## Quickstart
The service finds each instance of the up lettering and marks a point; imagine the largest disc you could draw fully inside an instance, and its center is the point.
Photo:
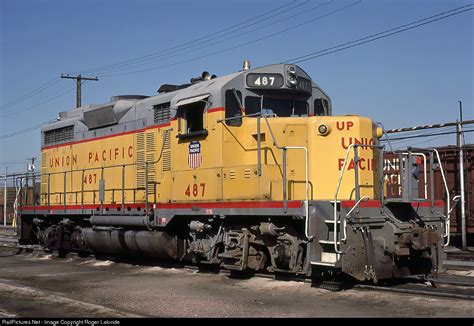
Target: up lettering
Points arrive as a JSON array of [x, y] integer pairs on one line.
[[344, 125]]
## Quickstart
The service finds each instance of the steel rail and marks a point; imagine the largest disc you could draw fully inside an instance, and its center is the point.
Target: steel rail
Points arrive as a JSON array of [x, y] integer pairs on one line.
[[412, 291]]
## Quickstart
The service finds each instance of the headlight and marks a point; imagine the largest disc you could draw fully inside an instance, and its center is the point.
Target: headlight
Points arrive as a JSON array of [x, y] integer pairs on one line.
[[292, 81], [291, 78]]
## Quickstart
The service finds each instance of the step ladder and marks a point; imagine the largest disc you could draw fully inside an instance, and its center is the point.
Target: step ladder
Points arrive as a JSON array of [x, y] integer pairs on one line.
[[329, 257]]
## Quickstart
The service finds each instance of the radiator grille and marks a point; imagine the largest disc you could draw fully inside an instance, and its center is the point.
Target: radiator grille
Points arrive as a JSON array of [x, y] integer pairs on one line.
[[59, 135]]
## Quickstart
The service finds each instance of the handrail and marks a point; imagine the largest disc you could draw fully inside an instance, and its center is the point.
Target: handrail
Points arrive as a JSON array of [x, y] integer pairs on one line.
[[102, 168], [424, 170], [363, 198], [336, 249], [335, 198], [448, 197], [284, 149], [455, 200], [344, 234], [15, 203], [448, 200]]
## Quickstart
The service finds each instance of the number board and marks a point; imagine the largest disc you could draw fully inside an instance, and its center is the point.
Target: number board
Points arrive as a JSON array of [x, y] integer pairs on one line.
[[264, 80]]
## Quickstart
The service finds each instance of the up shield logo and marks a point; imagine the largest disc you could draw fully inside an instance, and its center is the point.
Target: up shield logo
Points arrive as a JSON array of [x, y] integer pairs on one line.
[[194, 157]]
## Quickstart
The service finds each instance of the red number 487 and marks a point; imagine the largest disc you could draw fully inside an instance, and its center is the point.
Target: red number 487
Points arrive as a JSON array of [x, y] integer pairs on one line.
[[195, 191]]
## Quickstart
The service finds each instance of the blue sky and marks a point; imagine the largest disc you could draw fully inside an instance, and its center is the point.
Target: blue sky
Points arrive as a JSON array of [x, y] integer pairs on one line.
[[408, 79]]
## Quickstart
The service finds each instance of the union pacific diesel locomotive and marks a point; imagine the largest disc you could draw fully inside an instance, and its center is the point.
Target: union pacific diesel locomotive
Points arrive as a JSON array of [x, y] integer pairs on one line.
[[248, 172]]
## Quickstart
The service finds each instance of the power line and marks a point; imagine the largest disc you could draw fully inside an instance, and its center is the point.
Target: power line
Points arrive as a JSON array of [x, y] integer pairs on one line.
[[30, 94], [384, 34], [428, 135], [106, 67], [417, 143], [24, 131], [55, 80], [205, 44], [410, 140], [437, 125], [58, 95], [419, 133], [36, 105], [239, 45], [13, 164]]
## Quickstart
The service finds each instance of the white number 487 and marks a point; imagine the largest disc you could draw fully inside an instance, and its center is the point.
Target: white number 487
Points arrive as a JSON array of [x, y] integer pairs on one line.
[[264, 81]]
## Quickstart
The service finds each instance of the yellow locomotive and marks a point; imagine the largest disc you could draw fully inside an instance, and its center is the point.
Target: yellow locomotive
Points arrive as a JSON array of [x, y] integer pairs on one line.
[[248, 171]]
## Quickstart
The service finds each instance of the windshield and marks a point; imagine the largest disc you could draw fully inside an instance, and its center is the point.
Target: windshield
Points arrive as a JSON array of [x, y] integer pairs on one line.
[[278, 107]]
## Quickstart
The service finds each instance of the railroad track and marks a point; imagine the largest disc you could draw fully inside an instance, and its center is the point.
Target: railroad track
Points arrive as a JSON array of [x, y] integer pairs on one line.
[[446, 286], [450, 289]]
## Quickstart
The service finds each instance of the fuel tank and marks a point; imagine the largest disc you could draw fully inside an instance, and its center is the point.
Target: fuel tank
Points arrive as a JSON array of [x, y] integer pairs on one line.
[[132, 242]]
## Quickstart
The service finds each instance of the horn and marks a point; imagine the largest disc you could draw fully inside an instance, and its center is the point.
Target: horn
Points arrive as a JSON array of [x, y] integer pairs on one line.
[[205, 75]]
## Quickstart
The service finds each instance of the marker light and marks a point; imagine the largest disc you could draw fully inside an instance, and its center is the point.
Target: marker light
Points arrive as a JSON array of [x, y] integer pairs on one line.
[[323, 130]]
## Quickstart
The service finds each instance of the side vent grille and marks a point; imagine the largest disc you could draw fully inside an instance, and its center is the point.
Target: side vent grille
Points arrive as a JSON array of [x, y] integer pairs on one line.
[[44, 178], [150, 157], [166, 151], [146, 149], [140, 146], [59, 135], [161, 113]]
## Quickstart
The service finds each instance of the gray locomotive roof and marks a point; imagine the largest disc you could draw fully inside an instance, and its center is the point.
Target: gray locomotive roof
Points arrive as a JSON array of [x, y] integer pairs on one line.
[[138, 109], [212, 87]]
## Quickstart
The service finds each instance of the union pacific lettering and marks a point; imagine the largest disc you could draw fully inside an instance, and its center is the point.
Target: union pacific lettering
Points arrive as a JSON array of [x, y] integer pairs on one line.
[[106, 155], [67, 160], [110, 154], [356, 141], [364, 164]]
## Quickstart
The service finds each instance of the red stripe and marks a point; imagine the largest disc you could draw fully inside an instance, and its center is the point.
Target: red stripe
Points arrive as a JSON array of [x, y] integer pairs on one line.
[[369, 203], [437, 203], [269, 204], [266, 204], [124, 133], [216, 110], [108, 136]]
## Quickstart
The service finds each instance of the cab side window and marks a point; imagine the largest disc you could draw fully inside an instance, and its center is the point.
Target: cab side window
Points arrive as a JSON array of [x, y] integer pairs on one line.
[[321, 107], [191, 120], [233, 107]]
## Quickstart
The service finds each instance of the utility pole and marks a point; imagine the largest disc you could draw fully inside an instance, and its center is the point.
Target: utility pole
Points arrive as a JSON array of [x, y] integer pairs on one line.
[[31, 168], [461, 178], [5, 199], [79, 80]]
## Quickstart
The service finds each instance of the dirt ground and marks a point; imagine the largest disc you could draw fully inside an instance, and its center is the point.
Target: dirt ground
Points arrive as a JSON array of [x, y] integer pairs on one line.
[[33, 285]]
